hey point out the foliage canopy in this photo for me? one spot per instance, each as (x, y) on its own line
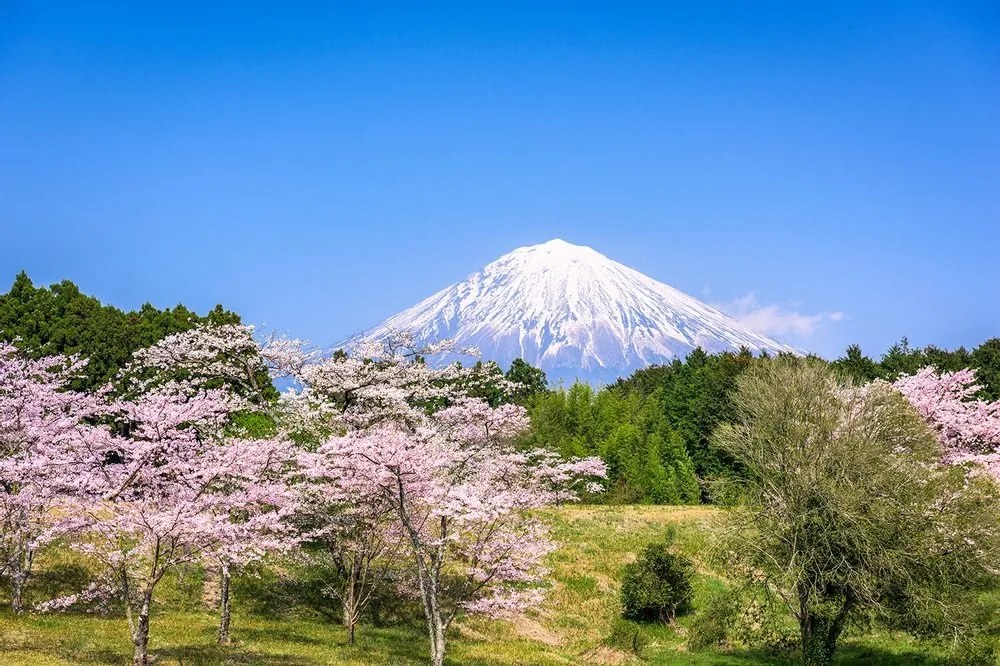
(842, 510)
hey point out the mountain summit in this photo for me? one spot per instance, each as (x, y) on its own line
(573, 312)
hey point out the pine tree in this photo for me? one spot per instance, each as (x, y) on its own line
(61, 320)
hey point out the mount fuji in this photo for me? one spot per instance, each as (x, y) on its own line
(573, 312)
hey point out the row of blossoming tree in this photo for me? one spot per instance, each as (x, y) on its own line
(372, 458)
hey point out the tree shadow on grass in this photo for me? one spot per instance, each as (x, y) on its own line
(191, 655)
(197, 646)
(96, 656)
(847, 655)
(185, 655)
(57, 580)
(397, 644)
(276, 633)
(864, 655)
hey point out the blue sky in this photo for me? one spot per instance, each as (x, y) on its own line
(830, 171)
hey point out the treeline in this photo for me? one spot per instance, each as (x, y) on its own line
(654, 428)
(647, 460)
(902, 359)
(61, 320)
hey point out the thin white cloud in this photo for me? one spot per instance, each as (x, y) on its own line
(776, 319)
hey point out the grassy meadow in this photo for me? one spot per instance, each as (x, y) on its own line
(577, 625)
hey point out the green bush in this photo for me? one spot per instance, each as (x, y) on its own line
(731, 617)
(657, 587)
(627, 637)
(714, 624)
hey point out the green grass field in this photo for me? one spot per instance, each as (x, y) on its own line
(572, 628)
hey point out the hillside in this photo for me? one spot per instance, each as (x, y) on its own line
(573, 627)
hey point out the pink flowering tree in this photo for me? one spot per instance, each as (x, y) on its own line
(401, 443)
(967, 427)
(347, 528)
(462, 496)
(218, 356)
(39, 419)
(376, 383)
(254, 503)
(459, 491)
(166, 488)
(349, 525)
(173, 481)
(230, 361)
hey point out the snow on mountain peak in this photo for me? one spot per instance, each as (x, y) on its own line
(573, 312)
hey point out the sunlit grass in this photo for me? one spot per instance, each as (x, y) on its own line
(574, 626)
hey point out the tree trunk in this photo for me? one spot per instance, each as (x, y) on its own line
(351, 603)
(435, 623)
(16, 592)
(19, 577)
(819, 637)
(140, 635)
(225, 611)
(437, 641)
(428, 576)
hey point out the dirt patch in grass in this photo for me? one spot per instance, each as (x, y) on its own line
(605, 655)
(534, 630)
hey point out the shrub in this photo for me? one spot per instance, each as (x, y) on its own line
(731, 617)
(714, 624)
(657, 586)
(627, 637)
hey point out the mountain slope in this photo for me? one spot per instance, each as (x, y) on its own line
(573, 312)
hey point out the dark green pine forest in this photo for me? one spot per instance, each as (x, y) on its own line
(653, 429)
(61, 319)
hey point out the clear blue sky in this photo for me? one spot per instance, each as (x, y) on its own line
(320, 168)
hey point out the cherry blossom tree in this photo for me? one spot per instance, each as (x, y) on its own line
(39, 416)
(172, 482)
(255, 503)
(967, 427)
(462, 496)
(376, 382)
(460, 492)
(348, 528)
(230, 357)
(173, 490)
(217, 356)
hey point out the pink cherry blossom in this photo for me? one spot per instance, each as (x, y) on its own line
(40, 418)
(967, 427)
(406, 436)
(162, 483)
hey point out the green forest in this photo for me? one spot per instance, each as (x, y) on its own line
(60, 319)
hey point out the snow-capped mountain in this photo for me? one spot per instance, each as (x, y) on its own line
(573, 312)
